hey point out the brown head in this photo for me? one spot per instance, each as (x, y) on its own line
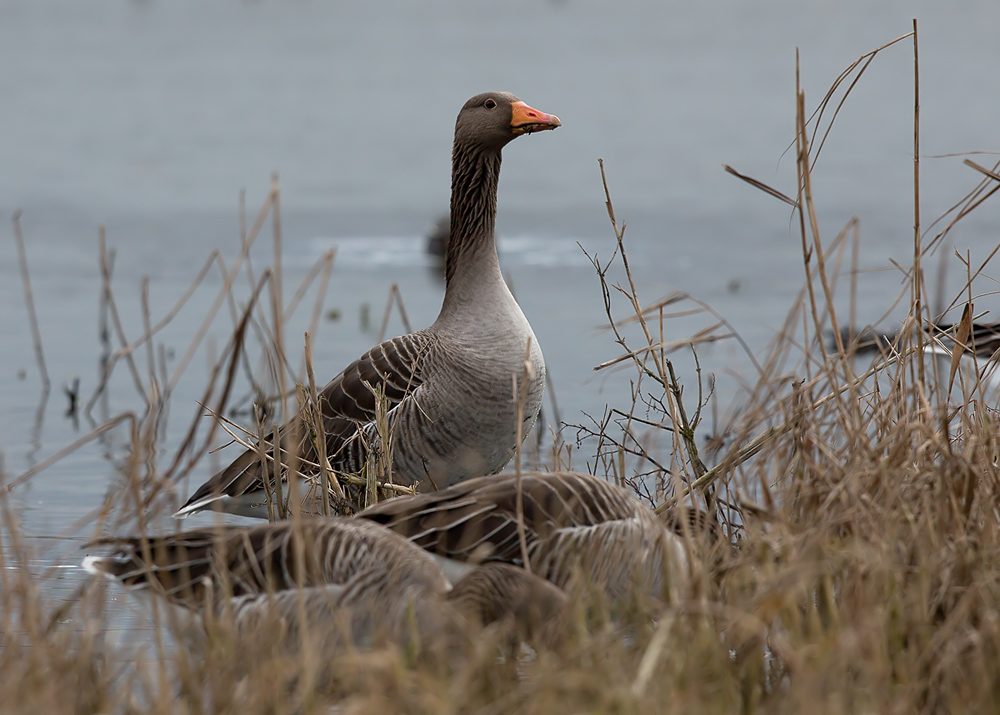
(492, 119)
(485, 125)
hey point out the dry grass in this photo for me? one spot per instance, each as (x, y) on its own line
(855, 569)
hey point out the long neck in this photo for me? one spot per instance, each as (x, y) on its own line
(471, 247)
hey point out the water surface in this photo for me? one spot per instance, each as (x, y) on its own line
(149, 117)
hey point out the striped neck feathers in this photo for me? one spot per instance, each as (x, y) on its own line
(474, 176)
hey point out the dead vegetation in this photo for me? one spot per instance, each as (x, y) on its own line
(847, 517)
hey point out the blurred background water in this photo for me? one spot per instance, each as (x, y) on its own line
(148, 117)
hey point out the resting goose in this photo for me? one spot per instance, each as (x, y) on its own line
(360, 583)
(576, 526)
(977, 350)
(983, 339)
(449, 386)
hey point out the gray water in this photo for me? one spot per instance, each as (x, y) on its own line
(149, 117)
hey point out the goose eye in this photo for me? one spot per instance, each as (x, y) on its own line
(490, 104)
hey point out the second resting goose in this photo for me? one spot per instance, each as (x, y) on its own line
(577, 526)
(353, 581)
(448, 387)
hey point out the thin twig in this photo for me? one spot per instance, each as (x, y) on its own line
(230, 428)
(29, 301)
(278, 346)
(756, 444)
(327, 477)
(395, 296)
(702, 336)
(664, 374)
(235, 346)
(762, 186)
(918, 276)
(224, 291)
(520, 398)
(982, 169)
(69, 449)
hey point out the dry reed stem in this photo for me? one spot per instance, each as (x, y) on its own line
(271, 493)
(224, 291)
(918, 274)
(230, 428)
(705, 335)
(75, 445)
(327, 264)
(29, 302)
(982, 169)
(863, 62)
(214, 258)
(395, 298)
(115, 318)
(378, 463)
(280, 363)
(664, 369)
(327, 478)
(756, 183)
(233, 349)
(520, 397)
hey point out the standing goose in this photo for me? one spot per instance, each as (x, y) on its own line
(576, 526)
(360, 583)
(449, 386)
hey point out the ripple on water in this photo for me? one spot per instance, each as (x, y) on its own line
(381, 251)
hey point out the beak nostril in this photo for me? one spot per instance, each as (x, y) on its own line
(526, 120)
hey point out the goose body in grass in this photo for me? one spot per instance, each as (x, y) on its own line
(580, 531)
(352, 580)
(977, 346)
(448, 388)
(983, 339)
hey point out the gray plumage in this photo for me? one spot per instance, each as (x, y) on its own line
(449, 387)
(347, 569)
(353, 581)
(531, 608)
(580, 531)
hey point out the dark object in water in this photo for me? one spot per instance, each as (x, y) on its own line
(72, 392)
(863, 341)
(984, 338)
(437, 238)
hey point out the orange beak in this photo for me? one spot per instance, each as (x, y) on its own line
(526, 120)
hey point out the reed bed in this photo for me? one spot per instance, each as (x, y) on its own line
(844, 516)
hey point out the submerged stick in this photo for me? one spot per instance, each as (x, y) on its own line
(108, 301)
(29, 301)
(69, 449)
(395, 296)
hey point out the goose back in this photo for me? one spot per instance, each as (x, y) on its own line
(343, 580)
(576, 525)
(204, 565)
